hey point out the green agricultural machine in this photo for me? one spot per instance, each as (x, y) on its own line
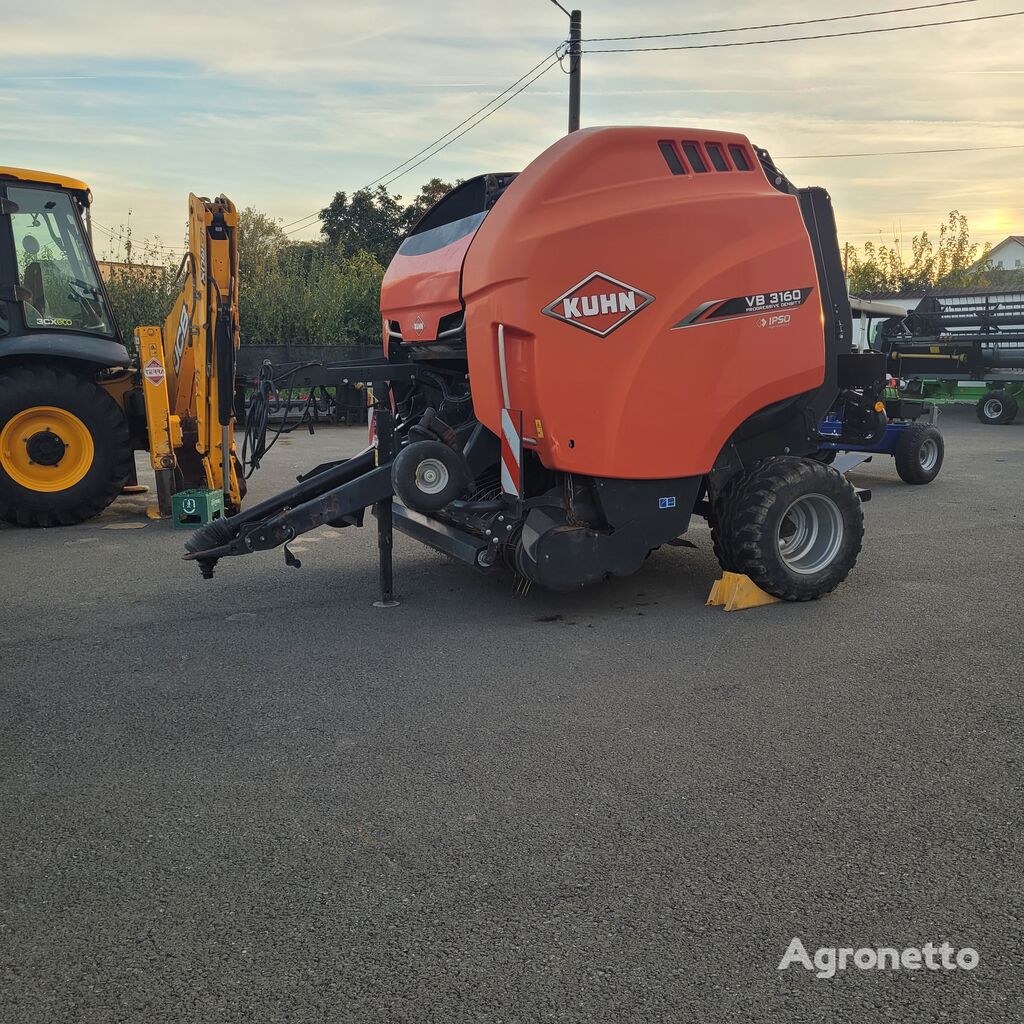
(966, 348)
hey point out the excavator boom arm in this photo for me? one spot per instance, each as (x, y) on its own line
(188, 364)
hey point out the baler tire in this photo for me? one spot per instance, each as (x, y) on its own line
(35, 398)
(769, 508)
(919, 453)
(997, 408)
(719, 536)
(448, 477)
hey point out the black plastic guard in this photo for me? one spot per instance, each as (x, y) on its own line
(101, 352)
(641, 515)
(820, 221)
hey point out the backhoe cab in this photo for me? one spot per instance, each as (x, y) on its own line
(74, 404)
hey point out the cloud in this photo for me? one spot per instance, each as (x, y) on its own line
(288, 103)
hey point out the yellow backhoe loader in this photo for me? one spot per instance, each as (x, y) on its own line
(74, 404)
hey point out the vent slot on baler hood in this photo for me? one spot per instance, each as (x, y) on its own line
(421, 293)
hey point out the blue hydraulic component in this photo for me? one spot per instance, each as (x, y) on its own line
(832, 425)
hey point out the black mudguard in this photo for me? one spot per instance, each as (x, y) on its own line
(100, 352)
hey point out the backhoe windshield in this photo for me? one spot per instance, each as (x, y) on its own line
(55, 265)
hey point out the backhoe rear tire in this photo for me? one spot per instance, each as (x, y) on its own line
(65, 451)
(793, 525)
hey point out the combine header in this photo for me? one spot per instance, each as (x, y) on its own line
(967, 347)
(643, 325)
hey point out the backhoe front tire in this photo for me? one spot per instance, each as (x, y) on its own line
(793, 525)
(65, 451)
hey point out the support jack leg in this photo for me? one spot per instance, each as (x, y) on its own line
(385, 552)
(384, 421)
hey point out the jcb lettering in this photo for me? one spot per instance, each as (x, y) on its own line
(181, 337)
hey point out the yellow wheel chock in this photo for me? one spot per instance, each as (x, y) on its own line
(734, 592)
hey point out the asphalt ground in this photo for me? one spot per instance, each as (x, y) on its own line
(262, 799)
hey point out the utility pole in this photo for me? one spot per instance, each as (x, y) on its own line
(575, 60)
(575, 55)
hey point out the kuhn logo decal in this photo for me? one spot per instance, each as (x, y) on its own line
(599, 304)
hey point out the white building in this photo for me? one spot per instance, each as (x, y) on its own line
(1008, 254)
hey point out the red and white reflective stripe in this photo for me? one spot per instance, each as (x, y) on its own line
(371, 427)
(502, 367)
(512, 452)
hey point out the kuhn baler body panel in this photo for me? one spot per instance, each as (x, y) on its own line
(639, 303)
(422, 285)
(420, 297)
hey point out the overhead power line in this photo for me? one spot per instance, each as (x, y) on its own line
(467, 120)
(899, 152)
(120, 236)
(798, 39)
(522, 88)
(307, 220)
(780, 24)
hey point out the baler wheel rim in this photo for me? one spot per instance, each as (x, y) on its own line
(810, 534)
(432, 476)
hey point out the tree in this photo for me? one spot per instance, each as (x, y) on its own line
(260, 240)
(1001, 278)
(313, 295)
(951, 262)
(364, 222)
(142, 282)
(376, 221)
(430, 193)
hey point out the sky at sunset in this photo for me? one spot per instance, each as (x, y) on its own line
(280, 105)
